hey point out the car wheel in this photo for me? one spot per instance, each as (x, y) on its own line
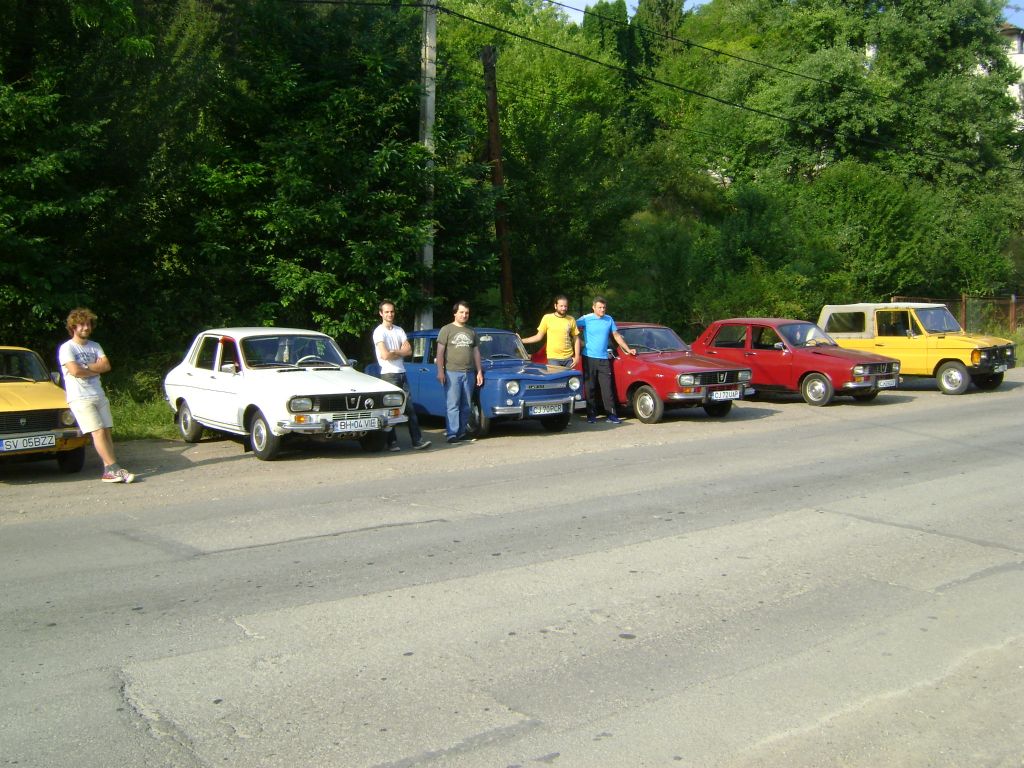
(265, 444)
(646, 404)
(71, 461)
(556, 423)
(866, 397)
(987, 381)
(953, 378)
(479, 425)
(374, 442)
(189, 428)
(816, 389)
(718, 410)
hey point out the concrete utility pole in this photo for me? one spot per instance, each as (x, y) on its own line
(428, 64)
(489, 57)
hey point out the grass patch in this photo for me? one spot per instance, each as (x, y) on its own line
(145, 420)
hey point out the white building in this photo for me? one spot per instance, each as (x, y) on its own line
(1014, 37)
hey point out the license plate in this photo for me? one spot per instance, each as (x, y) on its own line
(883, 383)
(540, 410)
(725, 394)
(1000, 369)
(355, 425)
(28, 443)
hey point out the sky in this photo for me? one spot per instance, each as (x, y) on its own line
(1014, 12)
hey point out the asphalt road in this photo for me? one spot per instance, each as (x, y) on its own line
(789, 586)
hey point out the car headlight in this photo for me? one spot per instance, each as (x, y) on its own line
(512, 387)
(976, 356)
(574, 384)
(859, 370)
(393, 399)
(686, 379)
(67, 418)
(745, 376)
(300, 404)
(895, 367)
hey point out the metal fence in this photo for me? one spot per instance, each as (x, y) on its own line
(979, 313)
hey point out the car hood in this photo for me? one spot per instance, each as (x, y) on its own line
(30, 396)
(969, 340)
(849, 355)
(526, 368)
(321, 381)
(687, 361)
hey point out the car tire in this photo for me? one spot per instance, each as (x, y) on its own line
(479, 425)
(953, 378)
(191, 430)
(718, 410)
(647, 405)
(70, 462)
(265, 444)
(374, 442)
(816, 389)
(557, 423)
(987, 381)
(866, 397)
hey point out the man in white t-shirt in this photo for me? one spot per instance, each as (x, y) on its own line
(82, 361)
(392, 346)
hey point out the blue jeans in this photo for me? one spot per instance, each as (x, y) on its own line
(401, 381)
(458, 395)
(565, 362)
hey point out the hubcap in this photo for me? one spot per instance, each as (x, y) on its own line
(259, 435)
(644, 405)
(952, 378)
(816, 389)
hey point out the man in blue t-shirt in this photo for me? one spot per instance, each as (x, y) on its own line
(597, 328)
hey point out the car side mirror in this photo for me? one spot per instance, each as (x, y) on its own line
(910, 333)
(780, 346)
(229, 368)
(55, 377)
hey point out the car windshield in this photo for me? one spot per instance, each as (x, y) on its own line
(501, 346)
(657, 339)
(22, 365)
(291, 350)
(805, 335)
(938, 320)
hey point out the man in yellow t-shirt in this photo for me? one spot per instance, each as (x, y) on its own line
(563, 345)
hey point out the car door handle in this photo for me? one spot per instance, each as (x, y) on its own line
(750, 354)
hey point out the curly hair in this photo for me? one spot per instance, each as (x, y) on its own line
(78, 316)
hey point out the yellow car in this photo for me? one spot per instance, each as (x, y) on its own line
(35, 421)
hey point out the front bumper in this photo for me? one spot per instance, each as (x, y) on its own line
(49, 441)
(343, 424)
(521, 410)
(873, 381)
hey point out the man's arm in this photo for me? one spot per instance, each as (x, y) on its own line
(531, 339)
(440, 362)
(102, 365)
(622, 344)
(576, 350)
(479, 367)
(383, 353)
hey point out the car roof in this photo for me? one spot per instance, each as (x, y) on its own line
(14, 349)
(638, 324)
(763, 320)
(243, 332)
(885, 305)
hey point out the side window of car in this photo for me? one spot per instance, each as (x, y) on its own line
(230, 353)
(894, 322)
(431, 351)
(845, 322)
(206, 357)
(764, 337)
(730, 337)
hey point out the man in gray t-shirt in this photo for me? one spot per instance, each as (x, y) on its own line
(458, 354)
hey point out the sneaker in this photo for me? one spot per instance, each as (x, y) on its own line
(614, 420)
(421, 445)
(394, 448)
(591, 420)
(464, 438)
(452, 440)
(118, 476)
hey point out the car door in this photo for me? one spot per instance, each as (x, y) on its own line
(227, 397)
(771, 361)
(426, 391)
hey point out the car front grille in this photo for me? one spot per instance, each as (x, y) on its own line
(29, 421)
(879, 368)
(717, 377)
(1004, 355)
(356, 401)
